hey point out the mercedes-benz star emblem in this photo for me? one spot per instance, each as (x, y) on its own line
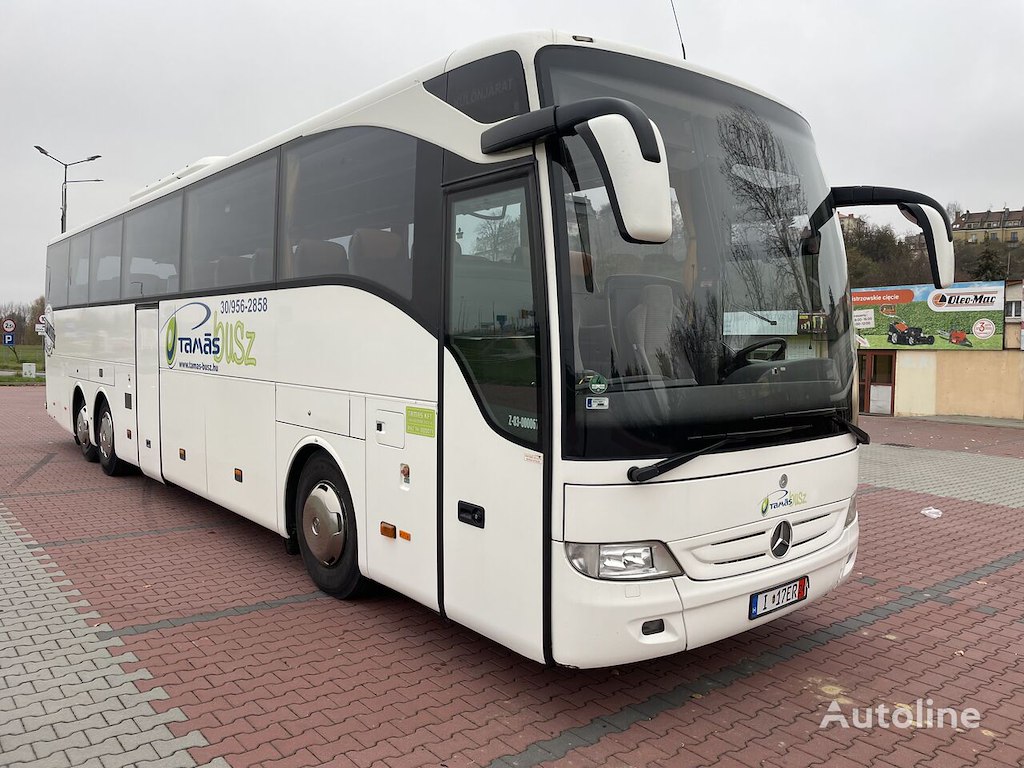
(782, 539)
(783, 481)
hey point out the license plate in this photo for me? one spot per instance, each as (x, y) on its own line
(763, 603)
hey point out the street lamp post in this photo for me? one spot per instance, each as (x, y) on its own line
(64, 186)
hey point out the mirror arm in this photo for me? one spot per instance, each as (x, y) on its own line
(525, 129)
(845, 196)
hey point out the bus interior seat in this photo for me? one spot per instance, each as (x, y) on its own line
(233, 270)
(263, 265)
(320, 257)
(648, 332)
(380, 256)
(200, 274)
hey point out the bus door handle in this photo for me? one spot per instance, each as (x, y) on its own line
(471, 514)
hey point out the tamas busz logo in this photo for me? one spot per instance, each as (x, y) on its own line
(783, 498)
(207, 342)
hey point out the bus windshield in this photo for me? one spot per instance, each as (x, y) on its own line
(741, 321)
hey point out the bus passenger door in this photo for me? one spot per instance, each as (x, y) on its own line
(492, 474)
(147, 390)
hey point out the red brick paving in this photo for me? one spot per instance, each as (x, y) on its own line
(385, 682)
(943, 436)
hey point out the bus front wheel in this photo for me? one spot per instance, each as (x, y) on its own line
(326, 528)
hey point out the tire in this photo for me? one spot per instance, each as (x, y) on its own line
(82, 434)
(892, 338)
(323, 513)
(105, 439)
(910, 341)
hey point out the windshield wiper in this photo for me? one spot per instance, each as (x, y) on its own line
(862, 437)
(643, 474)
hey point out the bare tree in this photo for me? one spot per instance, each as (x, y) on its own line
(767, 189)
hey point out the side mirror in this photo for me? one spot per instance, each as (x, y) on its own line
(920, 209)
(940, 249)
(627, 147)
(638, 188)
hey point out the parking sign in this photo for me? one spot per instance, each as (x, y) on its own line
(8, 339)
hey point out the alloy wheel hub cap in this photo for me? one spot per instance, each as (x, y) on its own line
(82, 427)
(323, 522)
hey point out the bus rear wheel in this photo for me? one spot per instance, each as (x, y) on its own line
(82, 436)
(105, 437)
(326, 528)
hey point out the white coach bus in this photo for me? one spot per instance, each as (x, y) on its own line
(553, 337)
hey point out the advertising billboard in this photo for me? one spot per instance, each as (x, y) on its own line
(965, 316)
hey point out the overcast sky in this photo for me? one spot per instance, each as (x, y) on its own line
(922, 94)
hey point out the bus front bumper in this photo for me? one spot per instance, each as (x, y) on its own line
(597, 623)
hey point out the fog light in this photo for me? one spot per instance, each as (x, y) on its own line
(653, 627)
(637, 560)
(851, 512)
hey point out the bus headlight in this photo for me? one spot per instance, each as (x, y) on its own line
(637, 560)
(851, 512)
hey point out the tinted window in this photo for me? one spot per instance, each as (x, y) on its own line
(105, 262)
(152, 249)
(349, 205)
(487, 90)
(229, 227)
(492, 326)
(57, 274)
(78, 284)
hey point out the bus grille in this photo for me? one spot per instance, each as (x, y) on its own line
(746, 548)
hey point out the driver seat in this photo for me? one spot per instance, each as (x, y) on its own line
(649, 327)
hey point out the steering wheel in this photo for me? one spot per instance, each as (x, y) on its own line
(740, 358)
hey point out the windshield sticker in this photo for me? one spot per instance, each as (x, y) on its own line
(597, 403)
(598, 384)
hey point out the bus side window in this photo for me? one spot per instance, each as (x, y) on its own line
(229, 227)
(57, 274)
(348, 207)
(78, 288)
(152, 249)
(105, 262)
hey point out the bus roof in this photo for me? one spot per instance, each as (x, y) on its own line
(525, 43)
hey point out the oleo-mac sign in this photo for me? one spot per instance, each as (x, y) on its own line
(967, 316)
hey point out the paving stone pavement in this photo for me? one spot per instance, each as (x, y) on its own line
(141, 625)
(65, 699)
(966, 476)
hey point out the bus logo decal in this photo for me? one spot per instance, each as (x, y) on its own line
(187, 343)
(171, 339)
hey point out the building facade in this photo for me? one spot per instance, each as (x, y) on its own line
(1006, 226)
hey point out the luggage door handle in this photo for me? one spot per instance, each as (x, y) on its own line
(471, 514)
